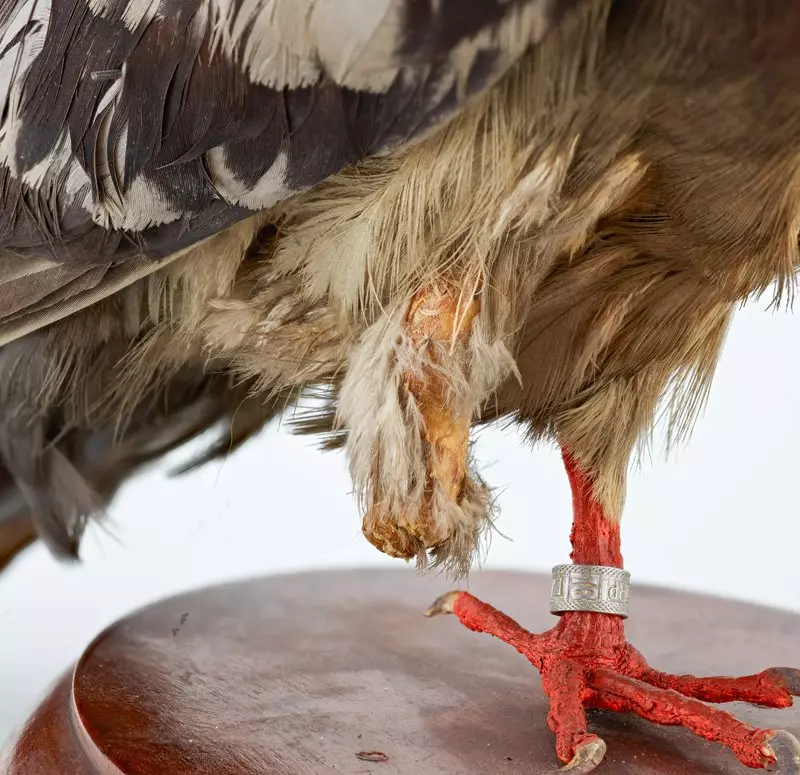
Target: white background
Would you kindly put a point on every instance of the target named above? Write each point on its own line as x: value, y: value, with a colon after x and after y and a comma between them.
x: 721, y: 516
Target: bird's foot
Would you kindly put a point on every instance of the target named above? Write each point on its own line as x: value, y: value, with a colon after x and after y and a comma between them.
x: 585, y: 662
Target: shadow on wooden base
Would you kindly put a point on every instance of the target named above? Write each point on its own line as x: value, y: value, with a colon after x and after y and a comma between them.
x: 294, y: 675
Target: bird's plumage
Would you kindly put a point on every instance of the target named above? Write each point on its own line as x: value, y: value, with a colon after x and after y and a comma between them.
x: 601, y: 210
x: 134, y: 129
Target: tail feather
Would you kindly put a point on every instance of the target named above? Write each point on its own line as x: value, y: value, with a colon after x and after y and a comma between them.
x: 58, y: 473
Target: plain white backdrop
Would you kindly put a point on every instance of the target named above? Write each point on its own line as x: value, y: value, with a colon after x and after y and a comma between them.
x: 720, y: 516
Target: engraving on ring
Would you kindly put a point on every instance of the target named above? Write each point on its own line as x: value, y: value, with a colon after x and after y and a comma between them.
x: 585, y: 585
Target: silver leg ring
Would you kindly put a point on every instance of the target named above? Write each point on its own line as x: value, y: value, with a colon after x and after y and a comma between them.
x: 595, y: 588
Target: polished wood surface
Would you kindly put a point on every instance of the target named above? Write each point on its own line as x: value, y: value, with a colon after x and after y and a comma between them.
x: 340, y: 673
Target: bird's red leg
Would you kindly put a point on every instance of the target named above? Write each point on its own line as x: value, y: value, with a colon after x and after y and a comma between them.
x: 585, y: 661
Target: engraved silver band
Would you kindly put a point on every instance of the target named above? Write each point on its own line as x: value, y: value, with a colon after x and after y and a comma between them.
x: 596, y: 588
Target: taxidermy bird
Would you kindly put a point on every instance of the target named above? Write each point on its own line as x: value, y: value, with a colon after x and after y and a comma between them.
x: 428, y: 214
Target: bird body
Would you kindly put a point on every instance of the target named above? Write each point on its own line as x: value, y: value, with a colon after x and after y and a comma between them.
x: 536, y: 210
x: 608, y: 203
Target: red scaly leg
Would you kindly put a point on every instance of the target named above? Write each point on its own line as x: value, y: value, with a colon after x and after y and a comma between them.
x: 565, y: 684
x: 585, y: 661
x: 563, y: 678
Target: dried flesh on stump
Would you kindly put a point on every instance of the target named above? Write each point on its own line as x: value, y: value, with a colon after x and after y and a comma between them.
x: 438, y: 319
x: 408, y: 401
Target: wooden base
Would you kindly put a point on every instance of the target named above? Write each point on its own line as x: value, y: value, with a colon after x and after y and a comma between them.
x: 294, y: 675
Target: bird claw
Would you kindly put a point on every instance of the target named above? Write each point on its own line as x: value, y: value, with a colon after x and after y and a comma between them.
x: 587, y: 757
x: 784, y: 748
x: 789, y: 676
x: 444, y: 604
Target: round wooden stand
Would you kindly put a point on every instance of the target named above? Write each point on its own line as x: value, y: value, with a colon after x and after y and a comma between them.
x: 294, y: 675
